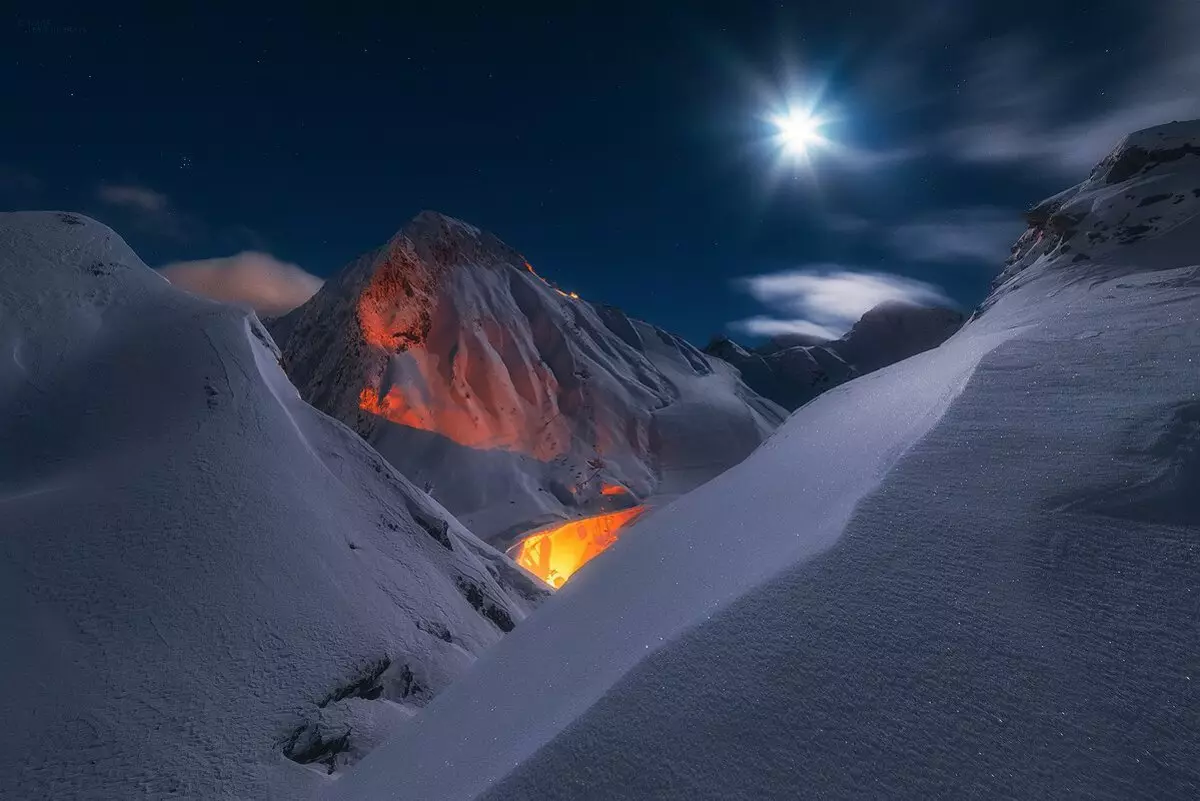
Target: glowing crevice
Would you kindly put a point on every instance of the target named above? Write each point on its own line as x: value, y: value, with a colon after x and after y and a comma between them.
x: 555, y: 553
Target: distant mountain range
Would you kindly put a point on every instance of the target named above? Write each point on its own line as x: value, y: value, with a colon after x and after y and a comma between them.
x: 792, y: 370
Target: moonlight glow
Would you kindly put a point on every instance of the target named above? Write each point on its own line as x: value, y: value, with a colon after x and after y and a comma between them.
x: 798, y: 131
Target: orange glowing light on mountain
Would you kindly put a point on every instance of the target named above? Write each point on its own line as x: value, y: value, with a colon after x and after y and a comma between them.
x: 555, y: 553
x: 613, y: 489
x: 391, y: 312
x: 457, y: 385
x: 456, y: 422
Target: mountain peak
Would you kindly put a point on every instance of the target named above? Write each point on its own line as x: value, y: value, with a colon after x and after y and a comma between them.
x: 429, y: 221
x: 518, y: 400
x: 1147, y: 189
x: 1141, y: 152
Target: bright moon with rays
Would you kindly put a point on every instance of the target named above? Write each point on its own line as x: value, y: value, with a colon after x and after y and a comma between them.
x: 799, y: 131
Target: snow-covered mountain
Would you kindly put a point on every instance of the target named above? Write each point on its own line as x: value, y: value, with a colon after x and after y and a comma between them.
x: 515, y: 401
x: 209, y: 589
x: 972, y: 574
x: 792, y: 371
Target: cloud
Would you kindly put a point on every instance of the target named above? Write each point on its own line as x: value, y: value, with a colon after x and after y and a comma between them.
x: 1017, y: 95
x: 256, y: 280
x: 826, y: 299
x: 845, y: 223
x: 149, y: 211
x: 141, y: 198
x: 771, y: 327
x: 869, y: 160
x: 981, y: 234
x: 16, y: 181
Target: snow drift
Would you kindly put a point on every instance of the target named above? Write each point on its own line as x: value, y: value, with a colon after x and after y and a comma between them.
x: 209, y: 589
x: 515, y: 401
x: 971, y: 574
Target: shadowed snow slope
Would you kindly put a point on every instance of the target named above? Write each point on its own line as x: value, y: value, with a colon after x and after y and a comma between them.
x: 514, y: 400
x: 971, y: 574
x: 200, y: 575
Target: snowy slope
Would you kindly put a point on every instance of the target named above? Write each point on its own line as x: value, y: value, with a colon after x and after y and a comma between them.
x: 793, y: 374
x: 971, y: 574
x: 515, y: 401
x: 200, y: 575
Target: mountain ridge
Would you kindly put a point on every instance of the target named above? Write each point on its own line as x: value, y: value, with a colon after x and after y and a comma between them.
x: 793, y: 374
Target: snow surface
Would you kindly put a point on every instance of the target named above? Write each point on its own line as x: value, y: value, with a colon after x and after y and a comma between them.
x: 514, y: 401
x: 198, y: 571
x: 972, y: 574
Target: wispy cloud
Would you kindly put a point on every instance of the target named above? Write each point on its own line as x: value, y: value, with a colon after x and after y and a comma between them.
x: 977, y: 234
x: 981, y: 234
x: 16, y: 181
x: 1016, y: 92
x: 251, y: 279
x: 844, y: 223
x: 863, y: 160
x: 149, y: 210
x: 763, y: 326
x: 141, y: 198
x: 826, y: 299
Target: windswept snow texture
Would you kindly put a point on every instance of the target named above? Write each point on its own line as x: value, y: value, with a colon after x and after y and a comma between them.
x: 793, y: 373
x: 209, y: 589
x: 973, y: 574
x: 513, y: 400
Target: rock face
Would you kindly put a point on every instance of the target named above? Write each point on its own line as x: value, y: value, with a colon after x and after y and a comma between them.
x: 1147, y: 190
x: 200, y: 574
x: 793, y: 373
x: 515, y: 401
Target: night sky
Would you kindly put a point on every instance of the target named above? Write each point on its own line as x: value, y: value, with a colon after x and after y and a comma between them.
x: 625, y: 149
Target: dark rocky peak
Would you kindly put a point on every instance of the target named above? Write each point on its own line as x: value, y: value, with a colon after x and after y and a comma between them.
x: 792, y: 375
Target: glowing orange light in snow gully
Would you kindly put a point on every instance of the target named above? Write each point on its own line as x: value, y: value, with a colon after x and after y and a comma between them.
x: 555, y: 553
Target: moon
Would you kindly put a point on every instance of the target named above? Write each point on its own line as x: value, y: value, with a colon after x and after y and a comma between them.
x: 798, y: 131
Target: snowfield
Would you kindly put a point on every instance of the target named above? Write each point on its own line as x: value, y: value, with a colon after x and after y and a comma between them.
x: 975, y: 573
x: 209, y: 589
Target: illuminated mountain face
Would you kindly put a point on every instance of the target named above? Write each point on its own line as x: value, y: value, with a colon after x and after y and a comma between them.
x: 513, y: 400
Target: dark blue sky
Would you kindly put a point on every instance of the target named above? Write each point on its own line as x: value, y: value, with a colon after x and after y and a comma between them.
x: 621, y: 147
